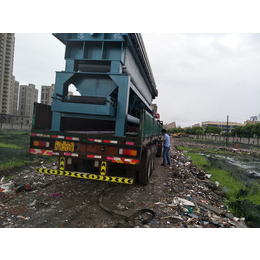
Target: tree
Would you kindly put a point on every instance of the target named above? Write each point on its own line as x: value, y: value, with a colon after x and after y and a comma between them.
x: 194, y: 130
x: 175, y: 130
x: 256, y: 129
x: 248, y: 130
x: 238, y: 131
x: 212, y: 129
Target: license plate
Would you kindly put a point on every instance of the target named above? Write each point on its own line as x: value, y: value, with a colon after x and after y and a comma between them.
x: 64, y: 146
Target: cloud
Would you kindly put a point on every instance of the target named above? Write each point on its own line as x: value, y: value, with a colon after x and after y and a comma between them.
x: 199, y: 77
x: 205, y: 76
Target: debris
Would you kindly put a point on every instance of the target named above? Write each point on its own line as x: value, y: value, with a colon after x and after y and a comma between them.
x: 7, y: 188
x: 27, y: 186
x: 159, y: 203
x: 190, y: 210
x: 184, y: 202
x: 185, y: 198
x: 55, y: 195
x: 19, y: 188
x: 211, y: 208
x: 192, y: 215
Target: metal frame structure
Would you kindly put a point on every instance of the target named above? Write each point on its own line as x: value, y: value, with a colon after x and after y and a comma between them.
x: 96, y: 66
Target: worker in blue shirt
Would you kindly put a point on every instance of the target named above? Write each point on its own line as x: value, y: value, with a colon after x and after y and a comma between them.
x: 166, y: 148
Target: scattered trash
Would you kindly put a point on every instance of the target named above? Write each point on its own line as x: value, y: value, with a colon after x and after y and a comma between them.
x: 184, y: 202
x: 225, y: 189
x: 190, y: 210
x: 55, y: 195
x: 187, y: 199
x: 27, y: 186
x: 7, y: 188
x: 21, y: 187
x: 159, y: 203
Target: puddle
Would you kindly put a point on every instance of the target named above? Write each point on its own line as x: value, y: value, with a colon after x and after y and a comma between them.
x: 252, y: 168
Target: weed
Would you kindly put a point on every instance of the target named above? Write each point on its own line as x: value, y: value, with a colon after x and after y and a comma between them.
x: 224, y: 178
x: 12, y: 146
x: 11, y: 164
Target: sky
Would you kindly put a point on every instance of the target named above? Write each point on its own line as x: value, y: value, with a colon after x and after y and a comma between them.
x: 205, y: 55
x: 199, y: 76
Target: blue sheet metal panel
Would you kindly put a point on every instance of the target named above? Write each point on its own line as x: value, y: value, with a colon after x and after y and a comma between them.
x: 106, y: 110
x: 56, y: 121
x: 93, y: 50
x: 62, y: 82
x: 123, y: 83
x: 87, y: 116
x: 64, y: 37
x: 74, y: 50
x: 93, y: 85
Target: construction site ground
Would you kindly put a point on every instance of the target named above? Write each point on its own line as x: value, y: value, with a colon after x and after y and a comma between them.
x: 178, y: 196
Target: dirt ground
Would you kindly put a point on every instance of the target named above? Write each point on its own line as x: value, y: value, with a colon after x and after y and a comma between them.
x: 63, y: 202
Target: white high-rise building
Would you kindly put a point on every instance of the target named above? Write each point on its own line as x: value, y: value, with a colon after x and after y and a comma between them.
x: 27, y: 96
x: 7, y: 81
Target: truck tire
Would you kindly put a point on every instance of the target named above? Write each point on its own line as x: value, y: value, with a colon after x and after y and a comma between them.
x: 145, y: 173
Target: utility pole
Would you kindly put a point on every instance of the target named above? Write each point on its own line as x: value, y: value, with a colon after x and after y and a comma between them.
x: 227, y: 132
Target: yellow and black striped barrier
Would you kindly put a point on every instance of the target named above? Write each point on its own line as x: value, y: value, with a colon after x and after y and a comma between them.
x: 86, y: 176
x: 103, y: 168
x: 62, y: 163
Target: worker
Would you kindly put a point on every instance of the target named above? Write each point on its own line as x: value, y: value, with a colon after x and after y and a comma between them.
x: 236, y: 145
x: 166, y: 148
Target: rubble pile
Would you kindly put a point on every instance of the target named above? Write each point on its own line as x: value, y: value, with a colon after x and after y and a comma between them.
x: 180, y: 195
x: 198, y: 202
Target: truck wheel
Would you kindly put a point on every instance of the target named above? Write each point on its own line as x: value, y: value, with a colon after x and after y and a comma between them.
x: 145, y: 173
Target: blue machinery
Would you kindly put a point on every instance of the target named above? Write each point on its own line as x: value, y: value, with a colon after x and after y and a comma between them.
x: 111, y: 71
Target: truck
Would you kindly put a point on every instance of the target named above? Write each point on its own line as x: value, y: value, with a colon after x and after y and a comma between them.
x: 109, y: 129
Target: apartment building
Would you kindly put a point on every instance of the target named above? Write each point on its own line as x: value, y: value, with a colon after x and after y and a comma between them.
x: 222, y: 125
x: 7, y: 81
x: 27, y: 96
x: 15, y: 91
x: 46, y: 94
x: 169, y: 126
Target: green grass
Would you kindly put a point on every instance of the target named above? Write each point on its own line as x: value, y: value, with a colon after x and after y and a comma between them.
x: 5, y: 132
x: 223, y: 177
x: 21, y: 162
x: 226, y: 180
x: 12, y: 164
x: 14, y: 150
x: 12, y: 146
